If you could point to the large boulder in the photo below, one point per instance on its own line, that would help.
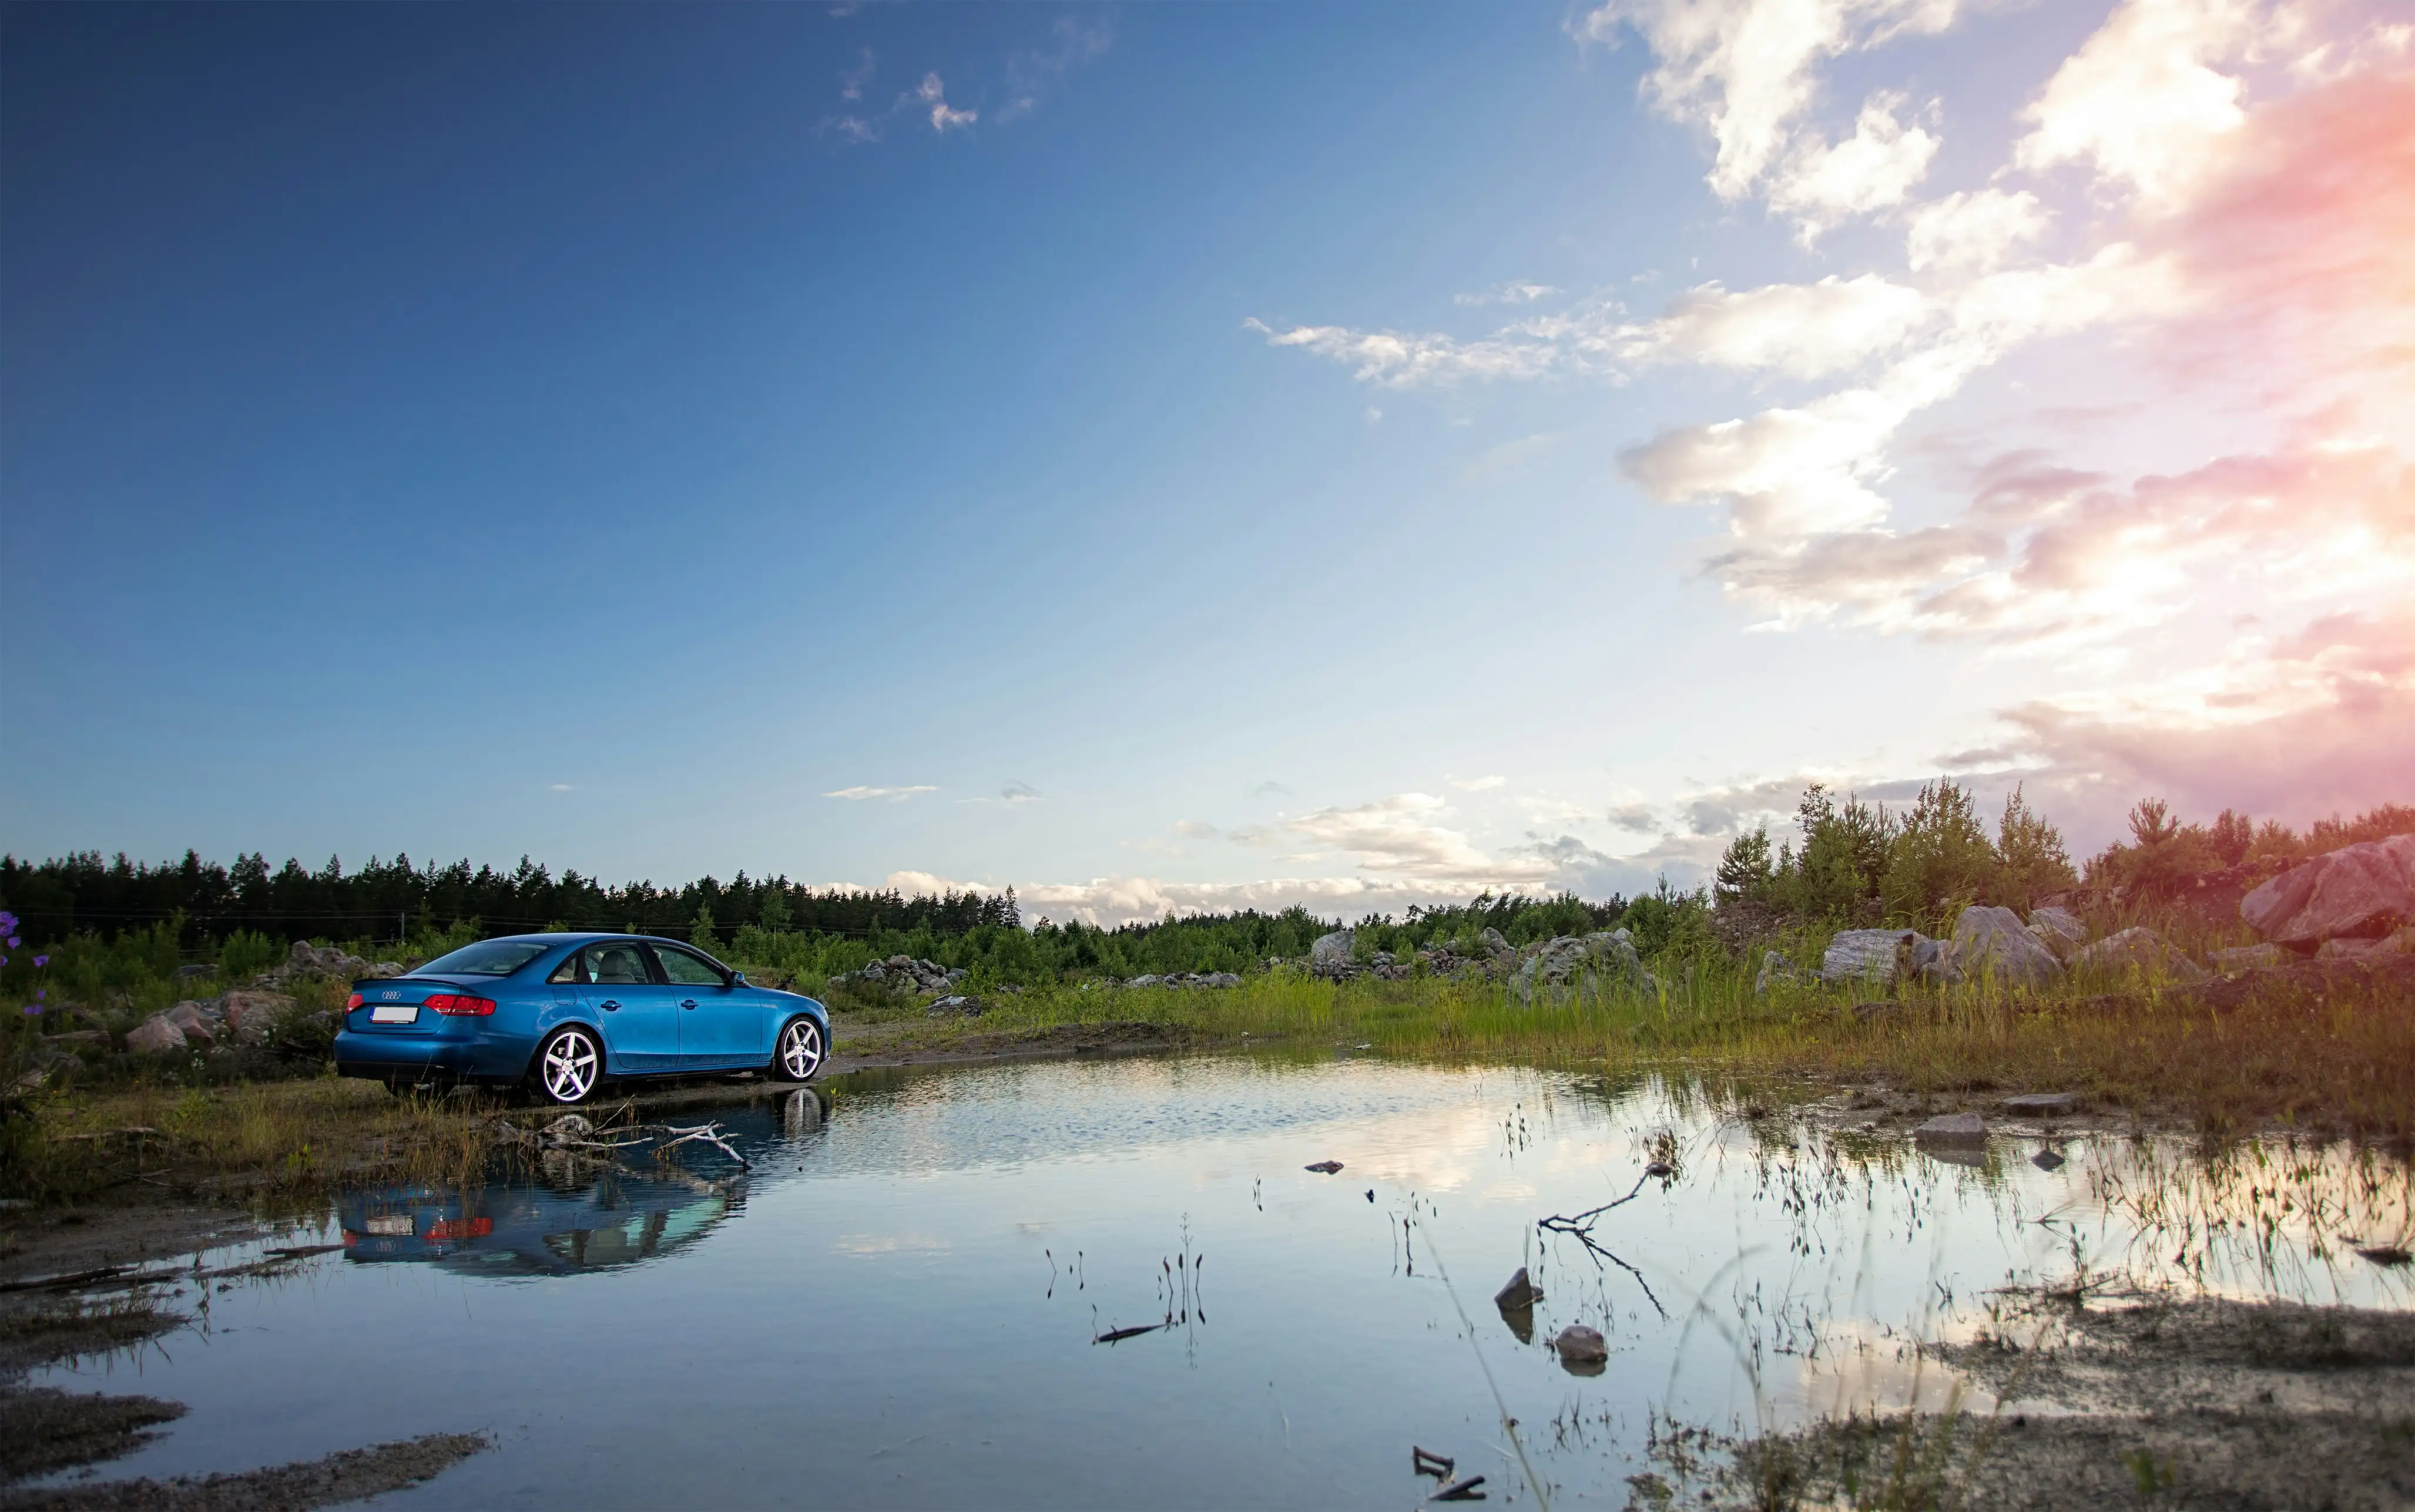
(2357, 891)
(2058, 929)
(1874, 956)
(252, 1014)
(156, 1035)
(2138, 950)
(1496, 945)
(1333, 949)
(1992, 944)
(2400, 943)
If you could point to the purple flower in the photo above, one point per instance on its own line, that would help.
(41, 993)
(41, 960)
(33, 1008)
(14, 942)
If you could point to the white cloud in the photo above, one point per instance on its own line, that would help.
(1743, 68)
(1803, 330)
(1512, 292)
(933, 93)
(558, 788)
(1479, 785)
(1872, 170)
(2140, 102)
(850, 84)
(1020, 792)
(1031, 74)
(1972, 230)
(894, 795)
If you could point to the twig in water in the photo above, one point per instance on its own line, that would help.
(1427, 1463)
(1114, 1335)
(1462, 1491)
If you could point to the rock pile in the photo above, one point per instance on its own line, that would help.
(1581, 962)
(903, 973)
(2360, 892)
(1188, 978)
(237, 1018)
(308, 959)
(1330, 957)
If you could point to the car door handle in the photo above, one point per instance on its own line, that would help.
(689, 1003)
(611, 1007)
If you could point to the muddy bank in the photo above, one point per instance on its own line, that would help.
(2203, 1402)
(45, 1429)
(351, 1475)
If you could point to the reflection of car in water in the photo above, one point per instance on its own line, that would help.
(616, 1218)
(579, 1217)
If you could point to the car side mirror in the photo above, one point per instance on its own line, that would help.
(738, 979)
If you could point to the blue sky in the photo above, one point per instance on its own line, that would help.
(1167, 457)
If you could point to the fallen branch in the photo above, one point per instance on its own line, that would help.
(1579, 1228)
(1459, 1491)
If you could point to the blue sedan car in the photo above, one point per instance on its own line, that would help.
(561, 1012)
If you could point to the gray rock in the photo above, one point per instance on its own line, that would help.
(1869, 955)
(2136, 951)
(1496, 945)
(1332, 950)
(1150, 980)
(2400, 942)
(1933, 962)
(155, 1034)
(2036, 1104)
(2058, 929)
(1776, 971)
(1992, 945)
(252, 1014)
(1953, 1128)
(1578, 961)
(1578, 1345)
(1519, 1294)
(191, 970)
(1221, 978)
(2047, 1161)
(957, 1006)
(2362, 891)
(2246, 957)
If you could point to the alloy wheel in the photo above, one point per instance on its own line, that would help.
(568, 1066)
(801, 1050)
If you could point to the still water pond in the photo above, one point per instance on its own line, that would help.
(907, 1302)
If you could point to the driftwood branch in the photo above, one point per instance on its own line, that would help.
(1579, 1227)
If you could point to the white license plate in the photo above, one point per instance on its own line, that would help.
(395, 1014)
(394, 1226)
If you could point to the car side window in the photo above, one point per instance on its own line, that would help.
(686, 970)
(616, 963)
(570, 970)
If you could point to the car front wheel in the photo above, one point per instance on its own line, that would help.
(569, 1066)
(801, 1053)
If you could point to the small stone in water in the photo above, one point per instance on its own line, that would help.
(1657, 1167)
(1578, 1344)
(2047, 1161)
(1324, 1167)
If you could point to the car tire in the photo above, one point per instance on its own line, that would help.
(799, 1052)
(568, 1067)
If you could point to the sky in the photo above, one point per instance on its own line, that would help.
(1182, 457)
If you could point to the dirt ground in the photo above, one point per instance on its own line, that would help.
(2129, 1402)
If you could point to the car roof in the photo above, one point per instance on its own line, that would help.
(569, 936)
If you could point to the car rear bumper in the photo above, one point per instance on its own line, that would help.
(387, 1057)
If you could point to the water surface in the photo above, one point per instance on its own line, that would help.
(903, 1303)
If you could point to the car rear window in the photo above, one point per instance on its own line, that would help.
(488, 958)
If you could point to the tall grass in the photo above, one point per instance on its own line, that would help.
(2339, 1060)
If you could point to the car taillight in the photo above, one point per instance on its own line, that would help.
(462, 1005)
(354, 1001)
(459, 1227)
